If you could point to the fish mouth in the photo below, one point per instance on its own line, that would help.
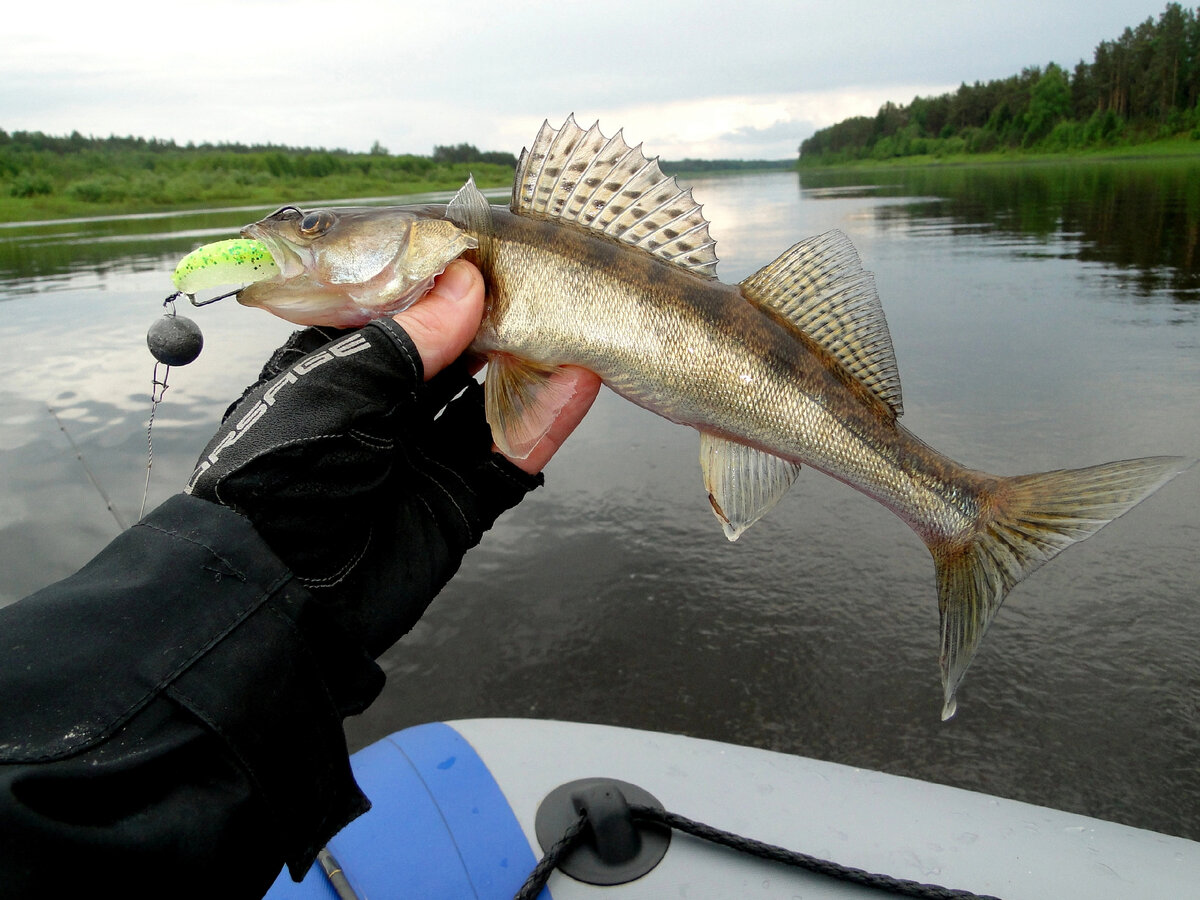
(289, 258)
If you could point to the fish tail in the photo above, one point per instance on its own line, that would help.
(1026, 521)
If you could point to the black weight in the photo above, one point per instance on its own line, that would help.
(175, 340)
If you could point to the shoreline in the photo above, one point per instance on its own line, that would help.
(1169, 149)
(16, 211)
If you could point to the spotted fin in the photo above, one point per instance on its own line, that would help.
(585, 179)
(819, 285)
(742, 483)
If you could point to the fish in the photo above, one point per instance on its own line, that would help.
(602, 261)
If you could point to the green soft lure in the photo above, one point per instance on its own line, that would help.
(237, 261)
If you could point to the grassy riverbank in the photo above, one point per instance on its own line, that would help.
(45, 177)
(114, 194)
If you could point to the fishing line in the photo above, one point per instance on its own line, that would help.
(174, 341)
(157, 389)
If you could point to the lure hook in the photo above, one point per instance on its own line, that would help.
(195, 302)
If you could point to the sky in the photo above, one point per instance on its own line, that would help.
(706, 79)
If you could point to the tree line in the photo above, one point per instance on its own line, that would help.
(1141, 86)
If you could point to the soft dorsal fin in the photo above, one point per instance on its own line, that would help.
(602, 184)
(819, 285)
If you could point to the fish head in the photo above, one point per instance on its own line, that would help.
(344, 267)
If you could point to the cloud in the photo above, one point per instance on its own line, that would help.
(699, 78)
(763, 126)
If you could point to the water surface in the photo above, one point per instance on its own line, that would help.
(1043, 317)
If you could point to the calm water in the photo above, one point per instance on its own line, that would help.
(1043, 317)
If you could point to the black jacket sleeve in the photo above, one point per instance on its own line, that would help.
(170, 717)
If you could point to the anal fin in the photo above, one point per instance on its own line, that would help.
(743, 483)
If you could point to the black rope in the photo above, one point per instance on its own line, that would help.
(541, 873)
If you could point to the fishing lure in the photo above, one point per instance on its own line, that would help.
(175, 340)
(240, 260)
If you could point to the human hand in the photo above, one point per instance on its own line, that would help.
(340, 459)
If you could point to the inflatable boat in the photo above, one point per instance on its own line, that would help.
(466, 809)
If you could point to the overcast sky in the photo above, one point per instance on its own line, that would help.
(734, 78)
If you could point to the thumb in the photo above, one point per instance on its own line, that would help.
(444, 321)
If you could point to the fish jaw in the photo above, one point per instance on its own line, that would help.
(302, 301)
(292, 259)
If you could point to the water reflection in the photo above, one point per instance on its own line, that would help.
(1139, 216)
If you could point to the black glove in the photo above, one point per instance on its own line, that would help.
(339, 458)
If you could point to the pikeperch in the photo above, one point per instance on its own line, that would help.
(601, 261)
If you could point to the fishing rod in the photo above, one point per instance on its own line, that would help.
(88, 469)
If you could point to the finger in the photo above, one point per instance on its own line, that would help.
(587, 385)
(444, 321)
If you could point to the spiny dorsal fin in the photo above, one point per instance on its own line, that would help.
(602, 184)
(819, 286)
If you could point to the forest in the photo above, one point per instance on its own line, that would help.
(1141, 87)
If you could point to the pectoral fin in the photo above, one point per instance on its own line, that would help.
(742, 483)
(522, 400)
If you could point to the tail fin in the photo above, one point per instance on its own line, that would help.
(1028, 521)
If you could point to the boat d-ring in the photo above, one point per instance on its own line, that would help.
(614, 847)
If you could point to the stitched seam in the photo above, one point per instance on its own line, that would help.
(453, 501)
(220, 479)
(340, 574)
(504, 472)
(183, 537)
(373, 441)
(407, 350)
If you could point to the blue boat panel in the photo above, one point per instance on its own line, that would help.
(439, 826)
(492, 846)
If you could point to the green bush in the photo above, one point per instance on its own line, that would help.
(29, 184)
(100, 189)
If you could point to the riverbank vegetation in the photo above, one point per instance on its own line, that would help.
(42, 176)
(1140, 89)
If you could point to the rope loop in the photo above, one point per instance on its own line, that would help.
(899, 886)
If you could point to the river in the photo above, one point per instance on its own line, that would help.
(1044, 316)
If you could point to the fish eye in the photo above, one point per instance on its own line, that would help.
(317, 223)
